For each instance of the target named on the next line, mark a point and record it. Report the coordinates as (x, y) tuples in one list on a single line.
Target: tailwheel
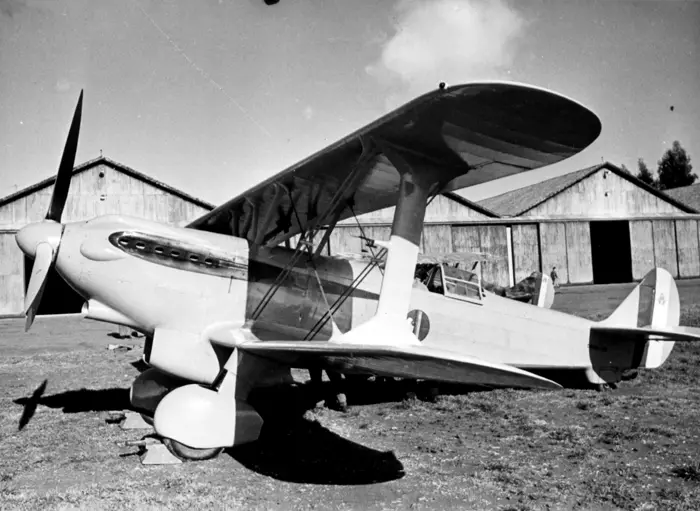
[(186, 453)]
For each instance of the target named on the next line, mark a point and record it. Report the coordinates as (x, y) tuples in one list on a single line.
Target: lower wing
[(419, 362)]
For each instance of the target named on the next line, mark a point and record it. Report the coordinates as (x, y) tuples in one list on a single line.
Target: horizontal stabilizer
[(666, 333), (415, 361), (651, 312)]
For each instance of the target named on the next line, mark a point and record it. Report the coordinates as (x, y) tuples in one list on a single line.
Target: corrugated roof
[(522, 200), (688, 195), (115, 165), (470, 204), (517, 202)]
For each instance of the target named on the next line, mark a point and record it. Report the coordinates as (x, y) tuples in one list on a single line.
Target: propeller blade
[(65, 169), (37, 281)]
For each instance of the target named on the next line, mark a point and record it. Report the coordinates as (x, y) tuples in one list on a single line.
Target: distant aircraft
[(226, 308)]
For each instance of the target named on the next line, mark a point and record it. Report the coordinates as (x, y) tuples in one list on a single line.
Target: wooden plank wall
[(642, 247), (670, 244), (553, 248), (526, 250), (604, 194), (465, 238), (436, 239), (665, 245), (11, 275), (441, 209), (688, 248), (578, 253), (494, 242), (491, 239), (92, 195), (344, 239)]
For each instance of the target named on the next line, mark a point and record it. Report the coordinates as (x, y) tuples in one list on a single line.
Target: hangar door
[(11, 292), (611, 252)]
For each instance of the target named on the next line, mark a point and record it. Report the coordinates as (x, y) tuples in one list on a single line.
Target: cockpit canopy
[(451, 281)]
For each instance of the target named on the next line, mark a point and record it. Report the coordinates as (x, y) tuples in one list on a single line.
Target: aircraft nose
[(31, 235)]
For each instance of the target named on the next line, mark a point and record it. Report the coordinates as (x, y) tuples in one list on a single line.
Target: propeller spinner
[(41, 240)]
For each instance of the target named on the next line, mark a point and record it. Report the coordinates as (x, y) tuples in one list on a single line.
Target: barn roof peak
[(521, 200), (103, 160)]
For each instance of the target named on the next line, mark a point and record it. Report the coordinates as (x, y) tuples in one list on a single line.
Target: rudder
[(653, 303)]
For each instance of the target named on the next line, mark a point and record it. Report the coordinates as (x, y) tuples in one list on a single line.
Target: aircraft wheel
[(186, 453)]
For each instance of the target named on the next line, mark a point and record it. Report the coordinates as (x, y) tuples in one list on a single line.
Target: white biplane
[(226, 307)]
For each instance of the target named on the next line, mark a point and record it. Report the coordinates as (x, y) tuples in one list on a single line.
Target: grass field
[(633, 448)]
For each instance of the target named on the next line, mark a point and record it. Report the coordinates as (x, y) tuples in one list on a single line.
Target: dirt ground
[(632, 448)]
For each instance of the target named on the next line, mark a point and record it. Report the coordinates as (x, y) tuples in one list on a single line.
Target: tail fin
[(536, 289), (544, 291), (652, 305)]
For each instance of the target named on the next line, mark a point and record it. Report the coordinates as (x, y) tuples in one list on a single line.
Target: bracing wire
[(201, 71)]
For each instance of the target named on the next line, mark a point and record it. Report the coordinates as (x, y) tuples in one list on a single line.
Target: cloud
[(308, 113), (446, 40), (62, 85), (10, 7)]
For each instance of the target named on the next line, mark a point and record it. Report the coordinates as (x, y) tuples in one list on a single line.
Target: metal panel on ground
[(578, 252), (526, 250), (642, 248), (553, 244), (11, 275), (665, 245), (688, 247)]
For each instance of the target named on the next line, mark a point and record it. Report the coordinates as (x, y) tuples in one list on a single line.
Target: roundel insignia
[(420, 322)]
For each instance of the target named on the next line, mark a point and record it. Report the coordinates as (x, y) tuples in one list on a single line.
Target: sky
[(215, 95)]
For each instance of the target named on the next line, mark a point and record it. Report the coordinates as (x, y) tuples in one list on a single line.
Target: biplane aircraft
[(226, 307)]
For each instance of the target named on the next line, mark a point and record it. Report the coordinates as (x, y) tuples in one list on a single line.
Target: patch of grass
[(619, 492), (585, 405), (569, 434), (615, 434)]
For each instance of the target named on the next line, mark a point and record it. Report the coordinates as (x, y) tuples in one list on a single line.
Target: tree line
[(673, 169)]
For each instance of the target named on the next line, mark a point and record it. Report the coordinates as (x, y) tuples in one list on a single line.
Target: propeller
[(40, 240)]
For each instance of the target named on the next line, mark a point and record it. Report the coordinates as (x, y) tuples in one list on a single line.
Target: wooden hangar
[(595, 225), (98, 187)]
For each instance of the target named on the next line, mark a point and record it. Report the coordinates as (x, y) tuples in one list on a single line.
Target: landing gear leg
[(198, 422)]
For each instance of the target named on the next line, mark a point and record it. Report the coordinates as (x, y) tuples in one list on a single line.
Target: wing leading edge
[(419, 362), (469, 134)]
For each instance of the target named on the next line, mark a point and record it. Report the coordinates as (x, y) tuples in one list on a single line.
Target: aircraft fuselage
[(149, 276)]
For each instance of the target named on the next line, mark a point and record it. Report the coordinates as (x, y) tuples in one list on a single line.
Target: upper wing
[(420, 362), (472, 133)]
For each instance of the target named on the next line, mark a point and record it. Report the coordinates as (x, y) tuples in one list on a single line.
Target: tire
[(186, 453)]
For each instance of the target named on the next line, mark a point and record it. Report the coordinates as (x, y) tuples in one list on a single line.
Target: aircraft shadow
[(74, 401), (392, 391), (295, 448), (291, 447)]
